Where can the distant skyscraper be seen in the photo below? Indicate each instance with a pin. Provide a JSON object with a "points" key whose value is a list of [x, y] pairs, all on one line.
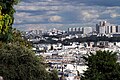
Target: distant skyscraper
{"points": [[103, 28], [104, 23]]}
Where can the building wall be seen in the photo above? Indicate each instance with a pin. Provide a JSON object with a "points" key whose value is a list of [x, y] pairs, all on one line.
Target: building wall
{"points": [[87, 30], [104, 28], [113, 29]]}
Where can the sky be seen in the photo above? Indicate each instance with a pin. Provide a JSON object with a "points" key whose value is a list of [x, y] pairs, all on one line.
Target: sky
{"points": [[63, 14]]}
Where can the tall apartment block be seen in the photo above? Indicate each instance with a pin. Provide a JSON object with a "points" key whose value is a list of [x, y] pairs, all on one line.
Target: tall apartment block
{"points": [[75, 30], [103, 28], [87, 30]]}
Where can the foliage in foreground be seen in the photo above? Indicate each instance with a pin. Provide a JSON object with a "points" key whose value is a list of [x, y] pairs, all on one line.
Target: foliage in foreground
{"points": [[19, 63], [8, 8], [5, 26], [102, 66], [6, 19], [53, 75]]}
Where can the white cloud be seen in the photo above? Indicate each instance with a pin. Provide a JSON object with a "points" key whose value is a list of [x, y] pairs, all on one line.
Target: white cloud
{"points": [[35, 14], [52, 12], [22, 14], [50, 0], [28, 18], [55, 18], [89, 15], [114, 15]]}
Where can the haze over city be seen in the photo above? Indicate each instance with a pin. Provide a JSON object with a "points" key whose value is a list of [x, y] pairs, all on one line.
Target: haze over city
{"points": [[62, 14]]}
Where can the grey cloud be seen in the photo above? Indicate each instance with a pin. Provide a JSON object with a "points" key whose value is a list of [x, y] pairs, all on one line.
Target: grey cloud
{"points": [[61, 14], [95, 2]]}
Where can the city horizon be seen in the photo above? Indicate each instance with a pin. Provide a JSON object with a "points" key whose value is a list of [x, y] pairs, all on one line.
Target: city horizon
{"points": [[63, 14]]}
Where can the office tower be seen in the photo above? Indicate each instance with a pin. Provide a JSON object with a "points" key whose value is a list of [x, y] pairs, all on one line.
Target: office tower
{"points": [[100, 28]]}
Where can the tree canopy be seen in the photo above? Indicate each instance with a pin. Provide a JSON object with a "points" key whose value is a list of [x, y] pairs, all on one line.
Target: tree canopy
{"points": [[7, 7], [6, 18], [19, 63], [102, 66], [54, 75], [5, 29]]}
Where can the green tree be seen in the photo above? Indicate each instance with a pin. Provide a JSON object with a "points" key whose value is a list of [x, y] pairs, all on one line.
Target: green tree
{"points": [[7, 7], [6, 18], [54, 75], [102, 66], [18, 39], [19, 63], [5, 29]]}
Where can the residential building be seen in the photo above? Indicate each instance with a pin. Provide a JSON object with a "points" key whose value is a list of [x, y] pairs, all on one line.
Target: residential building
{"points": [[87, 30]]}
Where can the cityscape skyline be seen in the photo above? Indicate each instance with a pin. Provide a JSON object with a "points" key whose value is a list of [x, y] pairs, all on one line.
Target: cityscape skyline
{"points": [[63, 14]]}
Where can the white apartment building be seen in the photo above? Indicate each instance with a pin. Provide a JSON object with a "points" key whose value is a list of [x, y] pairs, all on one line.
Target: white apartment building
{"points": [[87, 30]]}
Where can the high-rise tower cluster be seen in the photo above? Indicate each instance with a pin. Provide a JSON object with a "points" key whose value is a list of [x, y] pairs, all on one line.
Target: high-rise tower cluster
{"points": [[104, 28]]}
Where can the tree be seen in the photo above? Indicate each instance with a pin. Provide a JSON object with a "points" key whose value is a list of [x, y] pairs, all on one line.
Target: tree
{"points": [[18, 39], [54, 75], [7, 7], [6, 18], [19, 63], [102, 66], [5, 29]]}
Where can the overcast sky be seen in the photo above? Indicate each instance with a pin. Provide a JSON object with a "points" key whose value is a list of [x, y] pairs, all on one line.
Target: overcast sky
{"points": [[62, 14]]}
